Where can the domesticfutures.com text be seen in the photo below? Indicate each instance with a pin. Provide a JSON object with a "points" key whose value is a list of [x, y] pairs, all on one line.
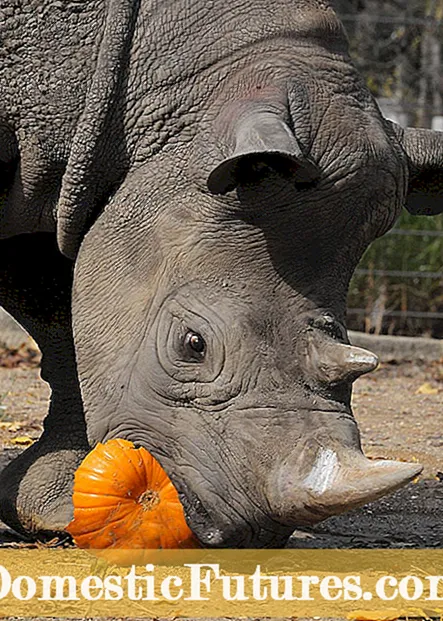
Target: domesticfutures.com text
{"points": [[201, 581]]}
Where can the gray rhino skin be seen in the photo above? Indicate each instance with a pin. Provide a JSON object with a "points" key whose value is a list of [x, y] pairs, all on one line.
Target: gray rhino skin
{"points": [[206, 176]]}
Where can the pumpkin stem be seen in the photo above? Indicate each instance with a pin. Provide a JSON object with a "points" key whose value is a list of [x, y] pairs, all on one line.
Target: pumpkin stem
{"points": [[149, 500]]}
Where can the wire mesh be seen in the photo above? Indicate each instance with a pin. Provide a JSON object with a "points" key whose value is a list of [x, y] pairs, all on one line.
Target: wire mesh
{"points": [[397, 46]]}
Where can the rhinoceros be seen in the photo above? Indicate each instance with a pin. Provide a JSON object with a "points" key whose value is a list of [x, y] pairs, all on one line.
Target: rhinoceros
{"points": [[186, 189]]}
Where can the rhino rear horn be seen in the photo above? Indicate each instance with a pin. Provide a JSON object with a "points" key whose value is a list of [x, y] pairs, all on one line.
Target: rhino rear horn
{"points": [[424, 152], [332, 362], [260, 139]]}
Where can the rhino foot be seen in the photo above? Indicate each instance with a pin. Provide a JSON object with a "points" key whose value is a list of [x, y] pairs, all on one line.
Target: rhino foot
{"points": [[36, 489]]}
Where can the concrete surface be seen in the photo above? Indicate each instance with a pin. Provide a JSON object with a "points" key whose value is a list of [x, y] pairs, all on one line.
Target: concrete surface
{"points": [[399, 348]]}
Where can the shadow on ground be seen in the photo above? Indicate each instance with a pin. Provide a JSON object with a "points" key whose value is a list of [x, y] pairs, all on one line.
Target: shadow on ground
{"points": [[410, 518]]}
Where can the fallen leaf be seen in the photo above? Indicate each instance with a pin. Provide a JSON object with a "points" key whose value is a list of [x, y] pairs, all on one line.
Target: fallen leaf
{"points": [[11, 426], [26, 355], [22, 441], [426, 389]]}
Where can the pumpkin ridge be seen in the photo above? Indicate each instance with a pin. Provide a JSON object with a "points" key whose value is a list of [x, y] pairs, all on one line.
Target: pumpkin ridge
{"points": [[102, 513], [159, 479], [126, 457], [91, 495], [106, 494], [155, 474], [121, 443], [148, 462], [170, 494], [117, 452], [99, 480], [140, 482], [103, 525], [106, 487]]}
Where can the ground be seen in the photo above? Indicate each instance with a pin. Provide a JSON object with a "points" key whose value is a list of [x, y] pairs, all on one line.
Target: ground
{"points": [[400, 412]]}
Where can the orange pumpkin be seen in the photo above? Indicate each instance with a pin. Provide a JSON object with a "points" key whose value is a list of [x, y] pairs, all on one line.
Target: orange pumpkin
{"points": [[123, 499]]}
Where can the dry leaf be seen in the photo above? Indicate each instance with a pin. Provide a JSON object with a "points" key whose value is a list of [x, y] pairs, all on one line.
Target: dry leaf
{"points": [[427, 389], [25, 355], [22, 441], [11, 426]]}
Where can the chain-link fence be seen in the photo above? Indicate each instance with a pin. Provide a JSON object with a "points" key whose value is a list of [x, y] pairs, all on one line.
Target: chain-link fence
{"points": [[398, 287], [397, 46]]}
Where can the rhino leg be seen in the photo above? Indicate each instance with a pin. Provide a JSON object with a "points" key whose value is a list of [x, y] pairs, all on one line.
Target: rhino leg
{"points": [[35, 287]]}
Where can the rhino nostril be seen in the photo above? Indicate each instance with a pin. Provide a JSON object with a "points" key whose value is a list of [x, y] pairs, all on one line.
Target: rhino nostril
{"points": [[212, 538]]}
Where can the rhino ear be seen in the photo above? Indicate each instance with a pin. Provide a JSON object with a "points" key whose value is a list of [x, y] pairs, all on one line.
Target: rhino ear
{"points": [[424, 151], [260, 139]]}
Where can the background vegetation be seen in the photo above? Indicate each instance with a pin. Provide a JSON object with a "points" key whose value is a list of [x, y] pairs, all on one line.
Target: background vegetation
{"points": [[397, 45]]}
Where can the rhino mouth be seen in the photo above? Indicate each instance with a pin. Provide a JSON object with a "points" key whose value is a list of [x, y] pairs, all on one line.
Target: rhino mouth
{"points": [[233, 531]]}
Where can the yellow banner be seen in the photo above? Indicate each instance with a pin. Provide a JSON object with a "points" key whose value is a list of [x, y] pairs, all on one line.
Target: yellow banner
{"points": [[357, 584]]}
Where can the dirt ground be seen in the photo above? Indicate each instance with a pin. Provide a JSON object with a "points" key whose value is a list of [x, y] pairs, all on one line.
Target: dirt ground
{"points": [[400, 412]]}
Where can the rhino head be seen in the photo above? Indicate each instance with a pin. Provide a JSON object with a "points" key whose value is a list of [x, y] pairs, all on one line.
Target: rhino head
{"points": [[209, 305]]}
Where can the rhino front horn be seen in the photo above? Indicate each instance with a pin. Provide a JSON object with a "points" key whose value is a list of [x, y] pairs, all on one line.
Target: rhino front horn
{"points": [[359, 482], [332, 362], [336, 483]]}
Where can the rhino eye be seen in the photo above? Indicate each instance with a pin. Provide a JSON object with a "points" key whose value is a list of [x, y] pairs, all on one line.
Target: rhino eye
{"points": [[195, 345]]}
